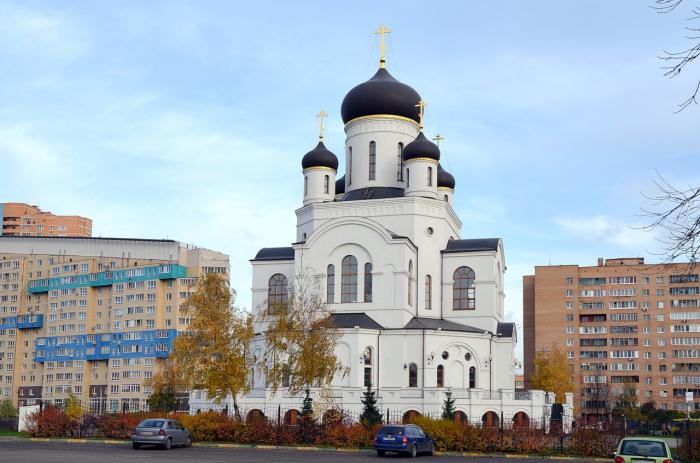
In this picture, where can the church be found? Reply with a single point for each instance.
(421, 308)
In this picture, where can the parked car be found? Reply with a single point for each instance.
(407, 439)
(162, 432)
(643, 450)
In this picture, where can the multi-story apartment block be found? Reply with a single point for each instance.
(624, 325)
(19, 219)
(92, 316)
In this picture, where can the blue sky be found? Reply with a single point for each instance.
(188, 120)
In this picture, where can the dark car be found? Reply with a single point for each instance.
(162, 432)
(407, 439)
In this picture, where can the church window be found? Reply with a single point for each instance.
(440, 376)
(428, 292)
(277, 293)
(368, 282)
(463, 289)
(430, 176)
(349, 165)
(367, 357)
(408, 178)
(349, 279)
(412, 375)
(399, 172)
(446, 200)
(372, 160)
(472, 377)
(410, 282)
(306, 186)
(330, 284)
(326, 182)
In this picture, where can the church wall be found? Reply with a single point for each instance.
(262, 271)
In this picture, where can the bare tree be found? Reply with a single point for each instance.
(676, 213)
(676, 61)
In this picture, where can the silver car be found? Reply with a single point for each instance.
(162, 432)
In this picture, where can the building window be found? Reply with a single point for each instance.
(440, 376)
(277, 294)
(408, 178)
(349, 165)
(472, 377)
(412, 375)
(463, 293)
(372, 160)
(348, 280)
(447, 199)
(306, 185)
(330, 284)
(410, 282)
(367, 358)
(430, 176)
(326, 182)
(428, 292)
(368, 282)
(399, 172)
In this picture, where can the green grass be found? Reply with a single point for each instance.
(11, 433)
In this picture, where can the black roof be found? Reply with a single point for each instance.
(382, 94)
(424, 323)
(421, 147)
(340, 186)
(444, 178)
(275, 254)
(479, 244)
(380, 192)
(505, 330)
(320, 157)
(351, 320)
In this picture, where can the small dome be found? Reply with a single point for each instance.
(445, 179)
(382, 94)
(320, 157)
(421, 147)
(340, 186)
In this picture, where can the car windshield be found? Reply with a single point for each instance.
(394, 430)
(644, 448)
(151, 424)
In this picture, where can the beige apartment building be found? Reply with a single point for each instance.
(20, 219)
(624, 325)
(92, 316)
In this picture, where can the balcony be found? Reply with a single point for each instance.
(30, 322)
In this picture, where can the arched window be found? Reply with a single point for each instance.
(408, 178)
(412, 375)
(463, 289)
(349, 167)
(326, 182)
(399, 172)
(446, 199)
(348, 280)
(368, 282)
(306, 185)
(430, 176)
(410, 282)
(330, 284)
(440, 376)
(277, 293)
(367, 359)
(472, 377)
(372, 160)
(428, 292)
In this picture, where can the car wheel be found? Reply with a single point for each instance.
(188, 442)
(381, 453)
(168, 443)
(135, 445)
(413, 452)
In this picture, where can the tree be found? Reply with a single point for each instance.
(162, 400)
(307, 406)
(370, 413)
(7, 410)
(552, 373)
(448, 406)
(300, 341)
(627, 405)
(72, 407)
(213, 354)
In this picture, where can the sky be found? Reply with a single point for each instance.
(188, 120)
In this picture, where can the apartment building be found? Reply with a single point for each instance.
(92, 316)
(20, 219)
(625, 326)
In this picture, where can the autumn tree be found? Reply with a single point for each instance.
(552, 373)
(300, 340)
(214, 353)
(627, 405)
(72, 407)
(7, 409)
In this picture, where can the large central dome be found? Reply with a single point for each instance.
(382, 94)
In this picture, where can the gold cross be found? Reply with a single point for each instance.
(421, 108)
(382, 30)
(438, 138)
(320, 116)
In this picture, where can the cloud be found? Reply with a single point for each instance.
(606, 229)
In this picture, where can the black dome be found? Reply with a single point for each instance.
(382, 94)
(320, 157)
(445, 179)
(421, 147)
(340, 186)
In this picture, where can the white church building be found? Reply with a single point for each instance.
(421, 308)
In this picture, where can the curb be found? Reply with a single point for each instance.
(309, 449)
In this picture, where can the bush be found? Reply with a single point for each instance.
(445, 433)
(593, 443)
(51, 422)
(686, 450)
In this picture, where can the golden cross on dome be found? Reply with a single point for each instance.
(382, 30)
(421, 109)
(320, 116)
(438, 138)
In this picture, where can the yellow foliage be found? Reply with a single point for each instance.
(552, 373)
(72, 408)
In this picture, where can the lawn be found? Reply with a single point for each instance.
(11, 433)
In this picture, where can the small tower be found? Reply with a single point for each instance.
(340, 188)
(320, 167)
(420, 164)
(446, 184)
